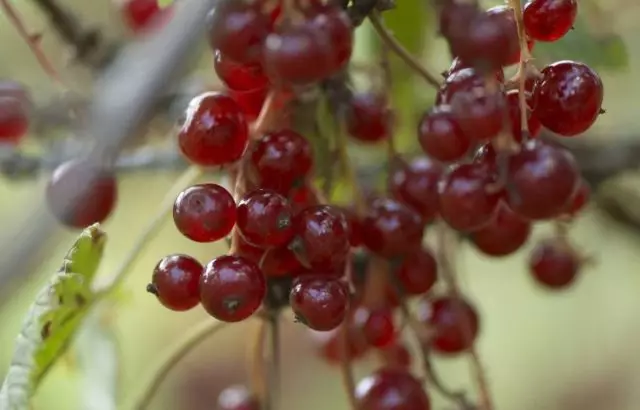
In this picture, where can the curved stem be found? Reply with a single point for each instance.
(402, 52)
(174, 356)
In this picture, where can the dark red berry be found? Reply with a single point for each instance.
(396, 355)
(334, 23)
(232, 288)
(513, 105)
(355, 227)
(80, 194)
(239, 76)
(418, 272)
(280, 261)
(504, 235)
(441, 137)
(542, 179)
(214, 132)
(568, 98)
(14, 111)
(507, 17)
(320, 303)
(460, 81)
(391, 229)
(238, 29)
(250, 102)
(264, 219)
(369, 118)
(391, 389)
(322, 237)
(237, 398)
(549, 20)
(377, 326)
(281, 160)
(467, 200)
(579, 200)
(204, 212)
(457, 65)
(454, 321)
(175, 282)
(415, 183)
(479, 112)
(456, 16)
(554, 264)
(141, 15)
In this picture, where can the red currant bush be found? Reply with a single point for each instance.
(554, 264)
(204, 212)
(454, 321)
(319, 302)
(232, 288)
(175, 282)
(391, 388)
(265, 219)
(549, 20)
(214, 132)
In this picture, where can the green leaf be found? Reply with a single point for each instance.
(53, 319)
(164, 3)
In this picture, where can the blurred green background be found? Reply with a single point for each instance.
(575, 350)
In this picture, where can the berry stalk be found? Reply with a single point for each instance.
(525, 59)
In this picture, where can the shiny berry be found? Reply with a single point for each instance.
(322, 237)
(141, 15)
(467, 200)
(239, 76)
(14, 111)
(391, 389)
(175, 282)
(579, 200)
(80, 194)
(479, 112)
(232, 288)
(505, 234)
(369, 118)
(513, 106)
(280, 261)
(457, 64)
(568, 98)
(281, 160)
(204, 212)
(542, 179)
(238, 28)
(320, 303)
(549, 20)
(355, 226)
(250, 102)
(214, 132)
(418, 272)
(462, 80)
(454, 321)
(415, 183)
(396, 355)
(336, 27)
(264, 219)
(441, 137)
(237, 398)
(391, 229)
(554, 264)
(377, 326)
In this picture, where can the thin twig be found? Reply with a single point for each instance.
(525, 58)
(32, 42)
(175, 355)
(401, 51)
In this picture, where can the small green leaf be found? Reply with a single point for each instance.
(53, 319)
(165, 3)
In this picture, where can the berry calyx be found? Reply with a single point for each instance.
(232, 288)
(415, 183)
(175, 282)
(505, 234)
(554, 264)
(567, 97)
(214, 132)
(264, 219)
(369, 118)
(391, 388)
(391, 229)
(320, 303)
(441, 137)
(204, 212)
(418, 272)
(80, 193)
(239, 76)
(549, 20)
(454, 321)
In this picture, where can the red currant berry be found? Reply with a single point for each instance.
(415, 183)
(554, 264)
(264, 219)
(278, 262)
(391, 389)
(369, 118)
(232, 288)
(377, 326)
(508, 18)
(237, 398)
(513, 105)
(14, 111)
(579, 200)
(456, 16)
(454, 321)
(303, 197)
(80, 194)
(334, 23)
(462, 80)
(238, 29)
(282, 160)
(549, 20)
(214, 132)
(318, 302)
(332, 347)
(467, 202)
(396, 355)
(250, 102)
(141, 15)
(322, 237)
(441, 137)
(457, 65)
(418, 272)
(239, 76)
(568, 98)
(204, 212)
(479, 112)
(175, 282)
(542, 179)
(355, 227)
(504, 235)
(391, 229)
